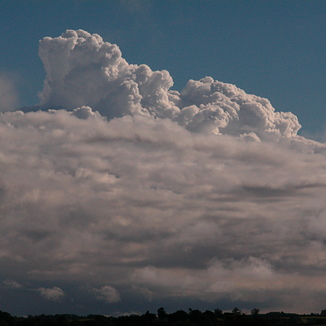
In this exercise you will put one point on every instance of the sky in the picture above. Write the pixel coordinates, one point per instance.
(162, 153)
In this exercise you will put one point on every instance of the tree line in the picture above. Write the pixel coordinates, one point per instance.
(192, 317)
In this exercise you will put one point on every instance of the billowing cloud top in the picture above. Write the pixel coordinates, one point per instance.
(121, 194)
(82, 69)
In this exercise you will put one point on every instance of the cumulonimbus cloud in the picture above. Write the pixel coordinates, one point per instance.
(205, 194)
(82, 69)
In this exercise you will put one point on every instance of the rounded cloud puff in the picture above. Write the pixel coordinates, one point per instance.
(83, 70)
(224, 108)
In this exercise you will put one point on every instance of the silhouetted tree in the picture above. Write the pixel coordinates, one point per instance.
(148, 316)
(218, 312)
(161, 314)
(236, 311)
(255, 311)
(179, 315)
(195, 315)
(6, 319)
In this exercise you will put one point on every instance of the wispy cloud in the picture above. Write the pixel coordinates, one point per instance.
(9, 99)
(12, 284)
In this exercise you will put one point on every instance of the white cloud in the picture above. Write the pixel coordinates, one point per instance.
(108, 294)
(153, 200)
(82, 69)
(53, 294)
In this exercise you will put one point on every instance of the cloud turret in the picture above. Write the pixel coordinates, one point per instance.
(82, 69)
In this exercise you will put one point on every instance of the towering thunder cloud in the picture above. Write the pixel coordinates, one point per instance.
(82, 69)
(121, 195)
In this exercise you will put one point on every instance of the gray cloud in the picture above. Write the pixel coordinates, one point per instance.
(152, 203)
(12, 284)
(107, 293)
(53, 294)
(8, 93)
(145, 203)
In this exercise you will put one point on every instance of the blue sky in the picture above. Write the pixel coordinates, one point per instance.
(129, 193)
(274, 49)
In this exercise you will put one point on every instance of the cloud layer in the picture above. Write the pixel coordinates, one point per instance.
(207, 194)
